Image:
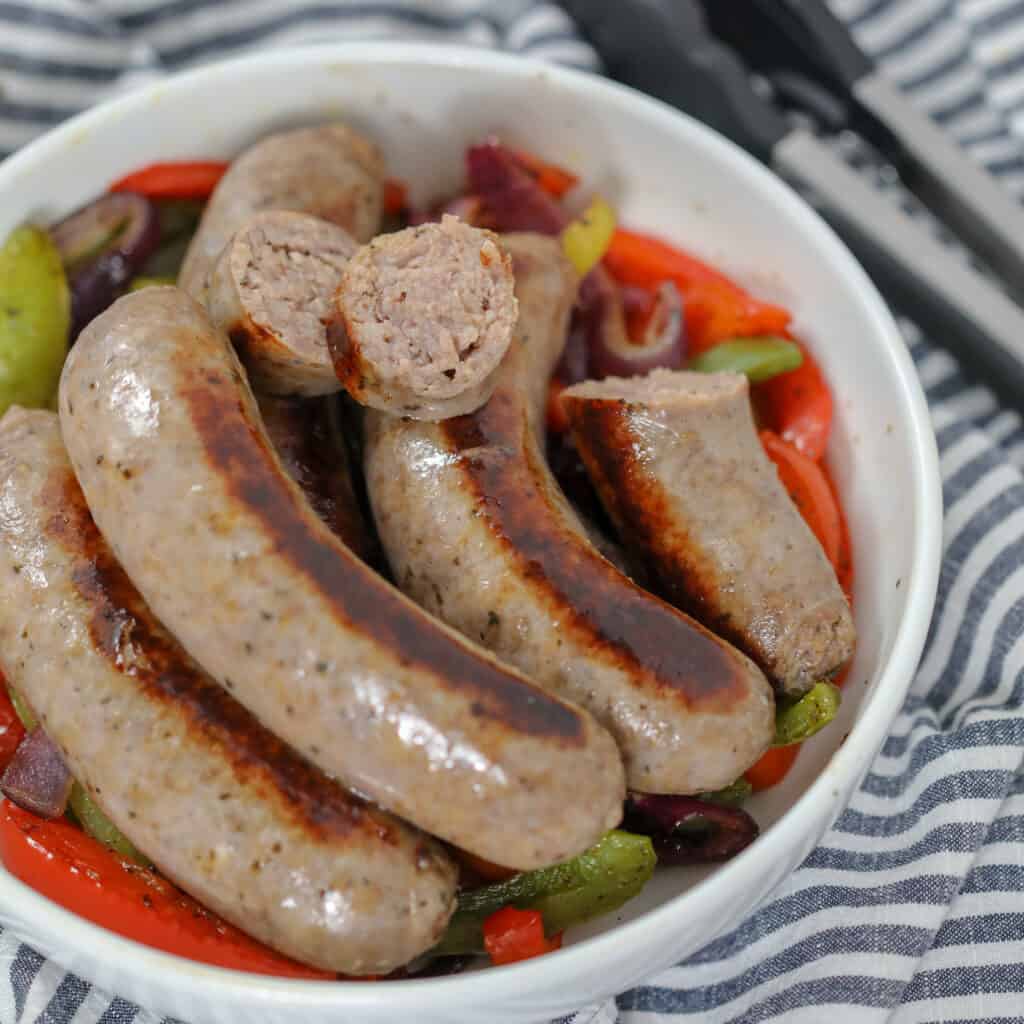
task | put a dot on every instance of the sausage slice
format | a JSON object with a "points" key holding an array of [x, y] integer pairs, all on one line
{"points": [[329, 171], [423, 319], [272, 289]]}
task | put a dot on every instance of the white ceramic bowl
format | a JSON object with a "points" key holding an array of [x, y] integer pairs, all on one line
{"points": [[667, 174]]}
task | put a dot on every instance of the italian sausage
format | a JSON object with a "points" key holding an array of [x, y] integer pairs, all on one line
{"points": [[271, 289], [300, 431], [476, 529], [328, 171], [422, 320], [677, 462], [167, 444], [223, 807]]}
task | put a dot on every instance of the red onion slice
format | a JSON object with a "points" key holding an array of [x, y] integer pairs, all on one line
{"points": [[612, 354], [599, 343], [512, 197], [686, 830], [37, 778], [104, 245]]}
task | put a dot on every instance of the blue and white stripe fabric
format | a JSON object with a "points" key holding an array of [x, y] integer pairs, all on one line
{"points": [[912, 908]]}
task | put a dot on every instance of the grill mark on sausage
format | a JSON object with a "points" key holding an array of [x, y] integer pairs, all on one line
{"points": [[236, 449], [645, 517], [128, 636], [634, 628], [298, 429]]}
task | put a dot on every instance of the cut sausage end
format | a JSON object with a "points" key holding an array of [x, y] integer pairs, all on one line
{"points": [[271, 291], [423, 318], [327, 170]]}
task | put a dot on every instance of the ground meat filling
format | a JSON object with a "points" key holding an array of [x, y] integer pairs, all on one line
{"points": [[428, 312], [287, 268]]}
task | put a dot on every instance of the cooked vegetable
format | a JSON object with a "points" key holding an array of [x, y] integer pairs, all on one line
{"points": [[179, 219], [759, 358], [104, 245], [138, 283], [188, 180], [23, 711], [662, 344], [772, 768], [511, 935], [732, 796], [688, 830], [554, 180], [37, 777], [395, 197], [586, 239], [513, 199], [12, 731], [74, 870], [100, 827], [596, 882], [798, 406], [798, 720], [716, 308], [35, 315], [809, 488]]}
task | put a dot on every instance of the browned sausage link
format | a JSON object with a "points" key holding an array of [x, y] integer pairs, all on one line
{"points": [[477, 530], [169, 448], [328, 171], [300, 431], [677, 462], [222, 806], [272, 289], [423, 318]]}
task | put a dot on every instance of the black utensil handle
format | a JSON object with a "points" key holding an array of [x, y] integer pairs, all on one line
{"points": [[664, 48], [793, 35], [962, 310]]}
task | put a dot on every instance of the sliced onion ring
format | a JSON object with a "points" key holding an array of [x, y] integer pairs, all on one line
{"points": [[104, 245], [613, 354], [37, 778]]}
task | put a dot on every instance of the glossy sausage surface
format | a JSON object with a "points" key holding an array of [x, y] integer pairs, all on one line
{"points": [[676, 459], [224, 808], [170, 450], [477, 530]]}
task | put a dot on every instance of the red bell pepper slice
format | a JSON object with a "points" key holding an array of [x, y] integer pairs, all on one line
{"points": [[555, 180], [190, 180], [810, 490], [798, 406], [717, 309], [396, 196], [511, 935], [772, 768], [74, 870], [12, 732]]}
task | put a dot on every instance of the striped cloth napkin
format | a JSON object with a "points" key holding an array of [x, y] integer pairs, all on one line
{"points": [[912, 908]]}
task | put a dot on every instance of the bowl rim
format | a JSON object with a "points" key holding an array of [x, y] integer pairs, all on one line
{"points": [[847, 763]]}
